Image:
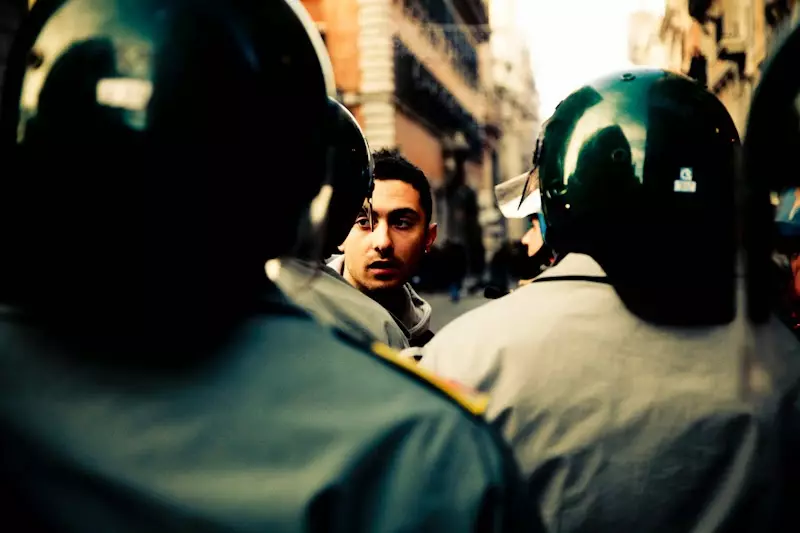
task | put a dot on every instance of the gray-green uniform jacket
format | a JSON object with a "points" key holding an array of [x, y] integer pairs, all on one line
{"points": [[328, 297], [288, 427]]}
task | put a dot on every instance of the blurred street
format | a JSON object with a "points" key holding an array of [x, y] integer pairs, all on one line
{"points": [[445, 311]]}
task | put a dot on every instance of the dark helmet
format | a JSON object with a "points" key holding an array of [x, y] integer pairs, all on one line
{"points": [[772, 142], [772, 227], [351, 177], [162, 149], [637, 170]]}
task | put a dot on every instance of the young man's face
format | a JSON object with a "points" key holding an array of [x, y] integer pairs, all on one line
{"points": [[387, 253]]}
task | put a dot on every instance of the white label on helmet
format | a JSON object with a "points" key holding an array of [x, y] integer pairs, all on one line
{"points": [[126, 93], [686, 183]]}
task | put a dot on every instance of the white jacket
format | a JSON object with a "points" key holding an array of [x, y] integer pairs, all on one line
{"points": [[620, 425]]}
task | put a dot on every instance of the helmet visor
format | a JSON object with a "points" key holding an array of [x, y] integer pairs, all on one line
{"points": [[519, 197]]}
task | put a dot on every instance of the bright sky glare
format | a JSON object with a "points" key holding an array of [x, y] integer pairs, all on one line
{"points": [[574, 41]]}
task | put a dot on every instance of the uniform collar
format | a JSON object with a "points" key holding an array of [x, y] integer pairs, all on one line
{"points": [[574, 264]]}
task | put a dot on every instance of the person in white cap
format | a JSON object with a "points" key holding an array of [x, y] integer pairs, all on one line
{"points": [[515, 203]]}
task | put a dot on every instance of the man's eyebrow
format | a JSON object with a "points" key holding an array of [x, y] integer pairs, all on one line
{"points": [[395, 213], [404, 212]]}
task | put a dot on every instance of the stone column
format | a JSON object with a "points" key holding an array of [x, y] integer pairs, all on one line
{"points": [[376, 51]]}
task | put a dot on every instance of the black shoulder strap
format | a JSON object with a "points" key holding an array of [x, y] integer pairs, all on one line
{"points": [[591, 279], [422, 339]]}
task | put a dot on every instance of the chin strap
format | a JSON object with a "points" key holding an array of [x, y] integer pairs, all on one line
{"points": [[369, 214], [369, 200]]}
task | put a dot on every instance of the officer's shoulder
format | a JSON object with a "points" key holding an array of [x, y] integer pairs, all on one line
{"points": [[470, 401]]}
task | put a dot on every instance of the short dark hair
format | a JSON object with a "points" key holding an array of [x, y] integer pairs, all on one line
{"points": [[391, 165]]}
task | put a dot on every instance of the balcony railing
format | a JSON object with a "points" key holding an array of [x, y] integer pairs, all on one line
{"points": [[418, 89], [474, 12], [444, 31]]}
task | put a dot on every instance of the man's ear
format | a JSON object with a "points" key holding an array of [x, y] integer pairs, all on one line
{"points": [[430, 237]]}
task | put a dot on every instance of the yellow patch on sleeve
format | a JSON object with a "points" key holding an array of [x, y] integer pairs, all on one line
{"points": [[473, 401]]}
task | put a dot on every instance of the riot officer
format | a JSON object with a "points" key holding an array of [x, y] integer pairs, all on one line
{"points": [[321, 290], [153, 378], [772, 228], [786, 259], [515, 202], [527, 258], [637, 394]]}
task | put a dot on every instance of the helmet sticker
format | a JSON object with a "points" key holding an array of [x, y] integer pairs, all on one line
{"points": [[686, 182], [126, 93]]}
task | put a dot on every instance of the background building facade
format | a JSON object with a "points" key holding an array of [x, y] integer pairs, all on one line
{"points": [[720, 43], [424, 77], [410, 72], [514, 99]]}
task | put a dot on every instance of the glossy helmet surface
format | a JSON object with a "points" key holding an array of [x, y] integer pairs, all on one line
{"points": [[637, 170], [351, 177], [772, 142], [155, 146]]}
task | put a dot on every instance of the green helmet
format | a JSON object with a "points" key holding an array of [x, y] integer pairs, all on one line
{"points": [[772, 141], [637, 170], [171, 144], [351, 177]]}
